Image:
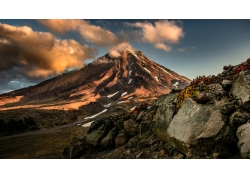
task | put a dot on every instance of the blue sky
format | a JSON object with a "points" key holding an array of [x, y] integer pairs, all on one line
{"points": [[188, 47]]}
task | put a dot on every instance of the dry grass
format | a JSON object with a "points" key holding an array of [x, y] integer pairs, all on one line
{"points": [[47, 144]]}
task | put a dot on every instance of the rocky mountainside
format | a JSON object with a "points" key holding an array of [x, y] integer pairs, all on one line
{"points": [[106, 80], [208, 119], [104, 86]]}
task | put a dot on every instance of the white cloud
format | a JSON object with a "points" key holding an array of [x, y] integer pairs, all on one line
{"points": [[161, 34]]}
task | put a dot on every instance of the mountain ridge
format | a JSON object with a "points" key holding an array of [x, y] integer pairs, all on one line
{"points": [[131, 74]]}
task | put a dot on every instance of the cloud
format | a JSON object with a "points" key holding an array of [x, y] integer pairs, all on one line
{"points": [[115, 51], [61, 25], [161, 34], [163, 46], [181, 49], [39, 54], [93, 34], [90, 33]]}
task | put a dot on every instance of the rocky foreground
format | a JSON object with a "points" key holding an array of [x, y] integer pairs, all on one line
{"points": [[208, 119]]}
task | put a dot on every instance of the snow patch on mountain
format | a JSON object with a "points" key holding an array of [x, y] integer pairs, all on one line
{"points": [[87, 124], [133, 108], [123, 94], [176, 84], [90, 117], [106, 106], [120, 102], [111, 95]]}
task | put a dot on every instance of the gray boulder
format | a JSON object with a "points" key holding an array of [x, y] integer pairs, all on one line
{"points": [[110, 138], [241, 87], [238, 118], [121, 139], [197, 130], [164, 113], [193, 122], [74, 150], [97, 131], [243, 134]]}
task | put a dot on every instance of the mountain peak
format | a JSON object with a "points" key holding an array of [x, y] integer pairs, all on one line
{"points": [[108, 81]]}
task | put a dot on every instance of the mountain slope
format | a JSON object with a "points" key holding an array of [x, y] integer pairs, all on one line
{"points": [[107, 81]]}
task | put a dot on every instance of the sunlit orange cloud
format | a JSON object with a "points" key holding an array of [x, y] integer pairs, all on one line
{"points": [[89, 32], [25, 35], [163, 46], [115, 50], [61, 25], [40, 54], [162, 33]]}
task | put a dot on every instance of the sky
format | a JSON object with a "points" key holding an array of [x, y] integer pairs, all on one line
{"points": [[32, 51]]}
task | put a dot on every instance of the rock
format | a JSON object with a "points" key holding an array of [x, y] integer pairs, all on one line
{"points": [[150, 114], [201, 98], [164, 113], [155, 156], [241, 87], [246, 106], [138, 155], [74, 150], [193, 123], [139, 117], [225, 68], [243, 134], [132, 142], [149, 107], [214, 90], [110, 138], [121, 139], [238, 118], [169, 148], [227, 108], [226, 84], [143, 128], [178, 156], [97, 131], [162, 152], [131, 127]]}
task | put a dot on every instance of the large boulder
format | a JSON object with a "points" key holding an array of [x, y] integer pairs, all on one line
{"points": [[198, 130], [193, 122], [74, 150], [131, 127], [97, 131], [243, 134], [165, 112], [121, 139], [241, 87], [110, 138]]}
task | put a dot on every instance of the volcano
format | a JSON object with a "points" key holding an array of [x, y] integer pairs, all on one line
{"points": [[105, 82]]}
